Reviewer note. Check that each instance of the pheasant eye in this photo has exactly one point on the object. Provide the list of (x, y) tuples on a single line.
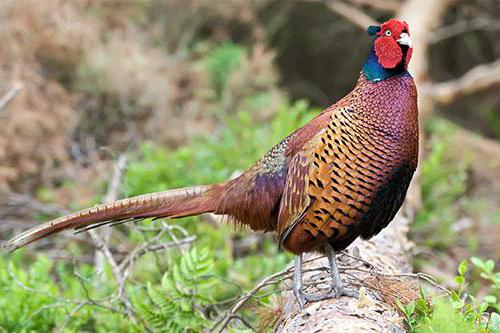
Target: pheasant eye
[(388, 33)]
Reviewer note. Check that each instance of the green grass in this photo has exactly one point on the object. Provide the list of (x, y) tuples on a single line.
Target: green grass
[(42, 297)]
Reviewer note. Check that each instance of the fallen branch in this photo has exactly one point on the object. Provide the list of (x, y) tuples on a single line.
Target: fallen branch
[(461, 27), (231, 314), (477, 79), (352, 14), (273, 279)]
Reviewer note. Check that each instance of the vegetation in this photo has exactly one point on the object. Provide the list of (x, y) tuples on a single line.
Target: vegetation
[(50, 296), (181, 302), (444, 181), (459, 311), (192, 93), (221, 63)]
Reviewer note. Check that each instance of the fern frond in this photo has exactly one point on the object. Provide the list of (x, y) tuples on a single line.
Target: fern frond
[(177, 305)]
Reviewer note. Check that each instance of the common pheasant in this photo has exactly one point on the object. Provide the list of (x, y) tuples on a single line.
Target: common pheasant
[(343, 175)]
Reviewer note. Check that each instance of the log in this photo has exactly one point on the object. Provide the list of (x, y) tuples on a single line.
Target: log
[(388, 253)]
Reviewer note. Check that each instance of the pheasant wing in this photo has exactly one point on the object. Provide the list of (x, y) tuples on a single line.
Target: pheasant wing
[(296, 200)]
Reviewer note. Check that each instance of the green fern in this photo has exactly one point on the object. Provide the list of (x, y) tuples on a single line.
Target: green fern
[(178, 304)]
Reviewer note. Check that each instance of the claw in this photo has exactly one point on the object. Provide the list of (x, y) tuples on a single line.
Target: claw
[(301, 298), (316, 298), (347, 292), (336, 290), (336, 279)]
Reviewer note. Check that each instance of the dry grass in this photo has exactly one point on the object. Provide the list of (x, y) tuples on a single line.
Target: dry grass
[(269, 314), (392, 290), (97, 75), (257, 73), (35, 126)]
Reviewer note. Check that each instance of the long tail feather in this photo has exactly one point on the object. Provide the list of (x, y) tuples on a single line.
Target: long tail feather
[(174, 203)]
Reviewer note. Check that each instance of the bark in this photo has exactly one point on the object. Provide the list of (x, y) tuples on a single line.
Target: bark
[(389, 253)]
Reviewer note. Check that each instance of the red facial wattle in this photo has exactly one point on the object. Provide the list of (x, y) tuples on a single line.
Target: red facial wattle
[(388, 52), (387, 48)]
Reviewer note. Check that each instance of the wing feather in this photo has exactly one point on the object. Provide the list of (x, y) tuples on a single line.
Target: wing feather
[(296, 199)]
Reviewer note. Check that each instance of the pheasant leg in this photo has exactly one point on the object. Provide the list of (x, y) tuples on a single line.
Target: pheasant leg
[(298, 291), (336, 290), (337, 285)]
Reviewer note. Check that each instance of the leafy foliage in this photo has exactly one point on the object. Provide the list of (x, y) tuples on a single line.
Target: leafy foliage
[(443, 182), (41, 297), (240, 143), (220, 64), (18, 309), (487, 272), (185, 290), (459, 312), (445, 320)]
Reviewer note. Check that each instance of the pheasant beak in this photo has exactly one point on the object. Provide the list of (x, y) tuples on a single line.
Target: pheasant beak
[(404, 39)]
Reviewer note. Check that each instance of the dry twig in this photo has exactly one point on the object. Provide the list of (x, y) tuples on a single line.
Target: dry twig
[(231, 314), (350, 13), (9, 96), (460, 27), (111, 195)]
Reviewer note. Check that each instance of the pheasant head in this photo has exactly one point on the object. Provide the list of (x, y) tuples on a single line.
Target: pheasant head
[(391, 50)]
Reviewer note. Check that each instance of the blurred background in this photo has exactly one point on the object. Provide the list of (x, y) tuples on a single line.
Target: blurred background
[(106, 99)]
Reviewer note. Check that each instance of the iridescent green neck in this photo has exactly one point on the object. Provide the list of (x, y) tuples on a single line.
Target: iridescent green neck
[(375, 72)]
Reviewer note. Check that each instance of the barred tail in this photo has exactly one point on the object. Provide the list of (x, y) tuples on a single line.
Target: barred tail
[(174, 203)]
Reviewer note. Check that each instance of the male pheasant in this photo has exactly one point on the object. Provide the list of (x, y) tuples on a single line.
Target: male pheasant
[(343, 175)]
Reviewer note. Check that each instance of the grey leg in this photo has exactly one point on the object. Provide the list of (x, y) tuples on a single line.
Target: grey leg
[(301, 297), (337, 289), (337, 286), (297, 282)]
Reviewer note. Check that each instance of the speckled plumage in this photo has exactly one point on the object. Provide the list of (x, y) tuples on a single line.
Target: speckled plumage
[(367, 150), (343, 175)]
